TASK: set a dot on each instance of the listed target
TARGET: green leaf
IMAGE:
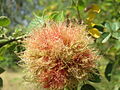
(66, 88)
(18, 31)
(99, 27)
(116, 35)
(117, 45)
(108, 71)
(115, 26)
(102, 37)
(58, 17)
(53, 15)
(36, 22)
(81, 5)
(1, 82)
(108, 26)
(4, 32)
(1, 70)
(95, 77)
(106, 38)
(80, 2)
(87, 87)
(94, 32)
(117, 1)
(112, 26)
(4, 21)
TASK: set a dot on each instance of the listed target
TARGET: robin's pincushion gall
(59, 55)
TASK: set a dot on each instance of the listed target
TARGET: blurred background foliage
(101, 16)
(21, 11)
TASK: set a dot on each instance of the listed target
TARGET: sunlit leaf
(102, 37)
(112, 26)
(91, 16)
(95, 8)
(116, 35)
(115, 26)
(4, 21)
(93, 24)
(90, 24)
(94, 32)
(106, 38)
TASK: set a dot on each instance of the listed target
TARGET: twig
(11, 40)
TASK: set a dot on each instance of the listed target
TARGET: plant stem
(79, 18)
(11, 40)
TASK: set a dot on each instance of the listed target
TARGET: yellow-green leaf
(95, 8)
(94, 32)
(91, 16)
(4, 21)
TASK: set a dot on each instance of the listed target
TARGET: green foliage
(8, 58)
(109, 46)
(4, 21)
(99, 27)
(9, 44)
(66, 88)
(95, 76)
(58, 16)
(87, 87)
(36, 22)
(108, 71)
(107, 36)
(112, 26)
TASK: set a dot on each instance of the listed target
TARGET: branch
(78, 12)
(11, 40)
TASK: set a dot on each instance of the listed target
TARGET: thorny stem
(11, 40)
